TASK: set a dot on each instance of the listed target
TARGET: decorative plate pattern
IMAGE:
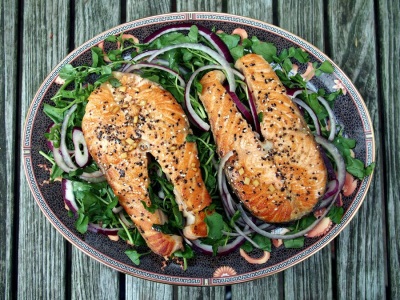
(203, 270)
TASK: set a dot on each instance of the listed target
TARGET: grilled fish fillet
(121, 126)
(282, 178)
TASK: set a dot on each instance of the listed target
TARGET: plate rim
(180, 280)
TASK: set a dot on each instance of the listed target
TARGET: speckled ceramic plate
(349, 109)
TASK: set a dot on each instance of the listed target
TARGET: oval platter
(350, 111)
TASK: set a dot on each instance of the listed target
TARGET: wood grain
(300, 18)
(389, 50)
(205, 5)
(360, 247)
(259, 9)
(8, 122)
(92, 18)
(41, 249)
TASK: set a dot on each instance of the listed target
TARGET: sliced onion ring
(155, 66)
(210, 36)
(207, 249)
(216, 56)
(68, 195)
(63, 145)
(81, 156)
(281, 236)
(310, 112)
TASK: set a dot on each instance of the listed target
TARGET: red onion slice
(207, 249)
(210, 36)
(242, 108)
(63, 145)
(214, 55)
(281, 236)
(95, 228)
(253, 111)
(332, 120)
(68, 195)
(155, 66)
(81, 150)
(310, 112)
(337, 157)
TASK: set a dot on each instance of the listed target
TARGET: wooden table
(361, 36)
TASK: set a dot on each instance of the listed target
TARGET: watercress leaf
(263, 242)
(247, 247)
(287, 65)
(246, 43)
(191, 138)
(134, 256)
(56, 172)
(266, 50)
(230, 40)
(336, 214)
(68, 72)
(186, 253)
(237, 52)
(97, 57)
(369, 169)
(111, 38)
(291, 52)
(215, 225)
(326, 67)
(54, 113)
(294, 243)
(187, 55)
(82, 222)
(301, 56)
(282, 56)
(355, 167)
(152, 208)
(234, 218)
(193, 34)
(198, 86)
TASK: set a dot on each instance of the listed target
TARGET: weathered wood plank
(361, 246)
(268, 287)
(136, 288)
(305, 19)
(92, 18)
(389, 46)
(259, 9)
(8, 119)
(207, 5)
(41, 249)
(200, 293)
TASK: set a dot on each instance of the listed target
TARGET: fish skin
(122, 126)
(272, 178)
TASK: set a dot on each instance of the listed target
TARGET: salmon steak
(123, 126)
(280, 176)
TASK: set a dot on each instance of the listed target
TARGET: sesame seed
(241, 171)
(247, 180)
(256, 183)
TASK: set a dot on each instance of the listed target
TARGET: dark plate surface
(350, 111)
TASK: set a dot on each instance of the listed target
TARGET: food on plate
(285, 157)
(282, 178)
(122, 126)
